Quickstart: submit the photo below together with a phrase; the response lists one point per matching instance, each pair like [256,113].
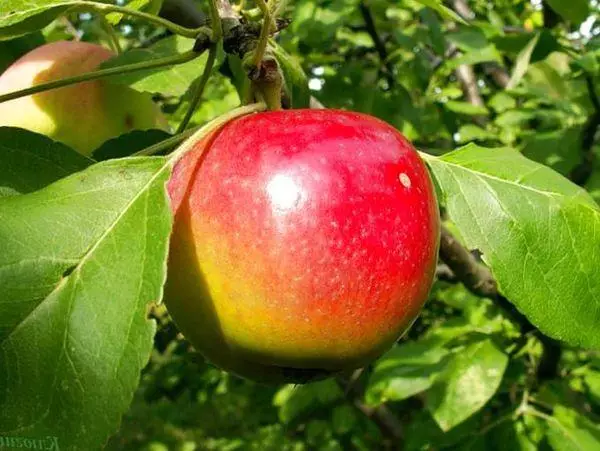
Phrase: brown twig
[498,73]
[462,8]
[382,416]
[476,277]
[371,28]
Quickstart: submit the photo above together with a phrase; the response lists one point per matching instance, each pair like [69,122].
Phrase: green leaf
[574,10]
[296,82]
[570,431]
[466,108]
[443,11]
[129,143]
[168,81]
[19,17]
[149,6]
[559,149]
[471,132]
[29,161]
[468,39]
[502,102]
[406,370]
[295,402]
[486,54]
[344,419]
[522,63]
[467,384]
[13,49]
[81,260]
[537,231]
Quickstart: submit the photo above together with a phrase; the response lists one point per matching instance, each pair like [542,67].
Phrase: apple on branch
[305,243]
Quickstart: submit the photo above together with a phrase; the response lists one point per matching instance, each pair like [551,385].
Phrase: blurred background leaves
[468,375]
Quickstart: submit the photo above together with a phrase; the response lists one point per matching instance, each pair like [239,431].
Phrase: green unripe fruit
[82,116]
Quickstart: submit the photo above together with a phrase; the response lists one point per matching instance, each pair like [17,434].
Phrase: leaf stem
[210,62]
[112,36]
[194,134]
[265,31]
[104,9]
[215,18]
[102,73]
[166,144]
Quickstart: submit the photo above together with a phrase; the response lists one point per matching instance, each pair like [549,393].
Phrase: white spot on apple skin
[405,180]
[285,194]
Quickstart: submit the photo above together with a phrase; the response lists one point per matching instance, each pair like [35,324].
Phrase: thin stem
[276,6]
[166,144]
[541,404]
[536,413]
[214,125]
[112,36]
[102,73]
[217,27]
[210,62]
[103,8]
[265,31]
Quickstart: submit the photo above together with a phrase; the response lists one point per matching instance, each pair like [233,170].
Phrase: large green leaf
[538,232]
[168,80]
[81,260]
[13,49]
[467,384]
[19,17]
[574,10]
[29,161]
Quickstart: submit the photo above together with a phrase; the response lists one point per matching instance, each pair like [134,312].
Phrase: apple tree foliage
[501,98]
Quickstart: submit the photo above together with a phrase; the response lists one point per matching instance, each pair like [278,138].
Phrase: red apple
[305,243]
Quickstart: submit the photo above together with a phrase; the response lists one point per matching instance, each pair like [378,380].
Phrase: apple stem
[102,73]
[265,32]
[267,82]
[113,39]
[217,35]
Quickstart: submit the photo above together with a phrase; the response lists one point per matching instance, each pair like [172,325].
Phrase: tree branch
[462,8]
[498,73]
[468,80]
[382,416]
[371,28]
[476,277]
